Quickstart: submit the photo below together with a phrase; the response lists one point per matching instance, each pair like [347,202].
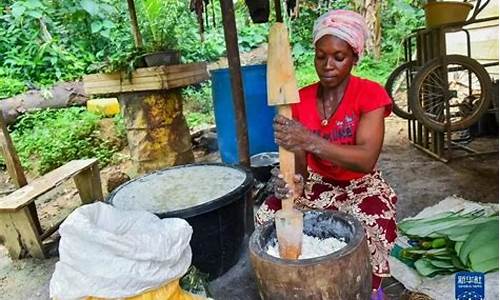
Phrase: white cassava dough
[312,247]
[178,188]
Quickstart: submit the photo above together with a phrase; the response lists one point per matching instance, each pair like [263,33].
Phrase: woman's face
[333,59]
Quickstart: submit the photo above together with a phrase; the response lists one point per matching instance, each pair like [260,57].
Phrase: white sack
[111,253]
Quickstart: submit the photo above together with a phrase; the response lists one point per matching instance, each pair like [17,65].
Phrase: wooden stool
[19,226]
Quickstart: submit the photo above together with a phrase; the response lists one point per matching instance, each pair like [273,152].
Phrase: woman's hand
[291,135]
[281,188]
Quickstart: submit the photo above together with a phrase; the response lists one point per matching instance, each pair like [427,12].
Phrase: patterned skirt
[370,199]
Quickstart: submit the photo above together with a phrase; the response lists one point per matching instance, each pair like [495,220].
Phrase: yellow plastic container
[170,291]
[104,106]
[446,12]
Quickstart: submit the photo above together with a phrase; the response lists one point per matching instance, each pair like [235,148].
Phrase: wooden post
[233,57]
[88,183]
[14,167]
[135,26]
[10,155]
[277,10]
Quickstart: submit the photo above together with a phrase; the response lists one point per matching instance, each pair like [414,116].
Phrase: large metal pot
[262,164]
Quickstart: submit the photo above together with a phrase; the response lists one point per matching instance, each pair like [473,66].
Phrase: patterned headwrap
[344,24]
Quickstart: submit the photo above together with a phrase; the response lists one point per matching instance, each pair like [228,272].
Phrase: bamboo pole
[135,27]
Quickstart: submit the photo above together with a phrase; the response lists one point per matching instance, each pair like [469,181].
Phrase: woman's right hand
[281,188]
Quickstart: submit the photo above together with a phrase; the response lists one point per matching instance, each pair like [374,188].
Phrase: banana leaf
[483,235]
[442,264]
[458,246]
[430,227]
[425,268]
[479,257]
[486,266]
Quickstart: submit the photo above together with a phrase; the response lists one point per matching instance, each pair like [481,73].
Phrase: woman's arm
[360,157]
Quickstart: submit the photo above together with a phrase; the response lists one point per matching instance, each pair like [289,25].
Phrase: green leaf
[457,263]
[442,264]
[90,6]
[466,228]
[96,26]
[459,237]
[480,255]
[426,268]
[108,24]
[18,9]
[483,235]
[298,50]
[32,4]
[486,266]
[458,245]
[106,33]
[34,13]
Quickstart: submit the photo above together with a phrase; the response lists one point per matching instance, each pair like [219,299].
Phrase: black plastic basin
[218,224]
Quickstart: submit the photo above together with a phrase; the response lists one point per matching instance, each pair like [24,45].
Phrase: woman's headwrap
[344,24]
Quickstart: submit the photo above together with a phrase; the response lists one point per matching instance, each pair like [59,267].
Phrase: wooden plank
[152,86]
[88,183]
[51,230]
[281,82]
[28,234]
[144,79]
[34,215]
[115,87]
[160,78]
[148,72]
[28,193]
[134,81]
[10,155]
[188,81]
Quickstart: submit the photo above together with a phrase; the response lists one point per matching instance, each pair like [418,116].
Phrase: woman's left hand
[291,135]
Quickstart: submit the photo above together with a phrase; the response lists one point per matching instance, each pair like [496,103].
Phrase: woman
[336,134]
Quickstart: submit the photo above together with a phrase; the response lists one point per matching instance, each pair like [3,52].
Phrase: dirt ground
[418,179]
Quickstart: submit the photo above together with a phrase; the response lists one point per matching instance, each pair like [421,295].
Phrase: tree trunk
[61,95]
[372,11]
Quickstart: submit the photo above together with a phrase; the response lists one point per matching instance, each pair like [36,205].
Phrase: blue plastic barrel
[259,114]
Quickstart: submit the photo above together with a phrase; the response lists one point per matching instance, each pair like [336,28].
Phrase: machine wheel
[397,86]
[467,85]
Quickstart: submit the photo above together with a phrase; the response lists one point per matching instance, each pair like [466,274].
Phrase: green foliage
[252,36]
[195,119]
[199,98]
[10,86]
[195,281]
[121,130]
[373,69]
[44,41]
[160,19]
[399,18]
[199,105]
[49,138]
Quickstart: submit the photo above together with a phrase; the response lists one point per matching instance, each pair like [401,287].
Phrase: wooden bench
[20,228]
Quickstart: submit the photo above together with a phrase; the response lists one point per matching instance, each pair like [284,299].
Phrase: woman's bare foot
[378,295]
